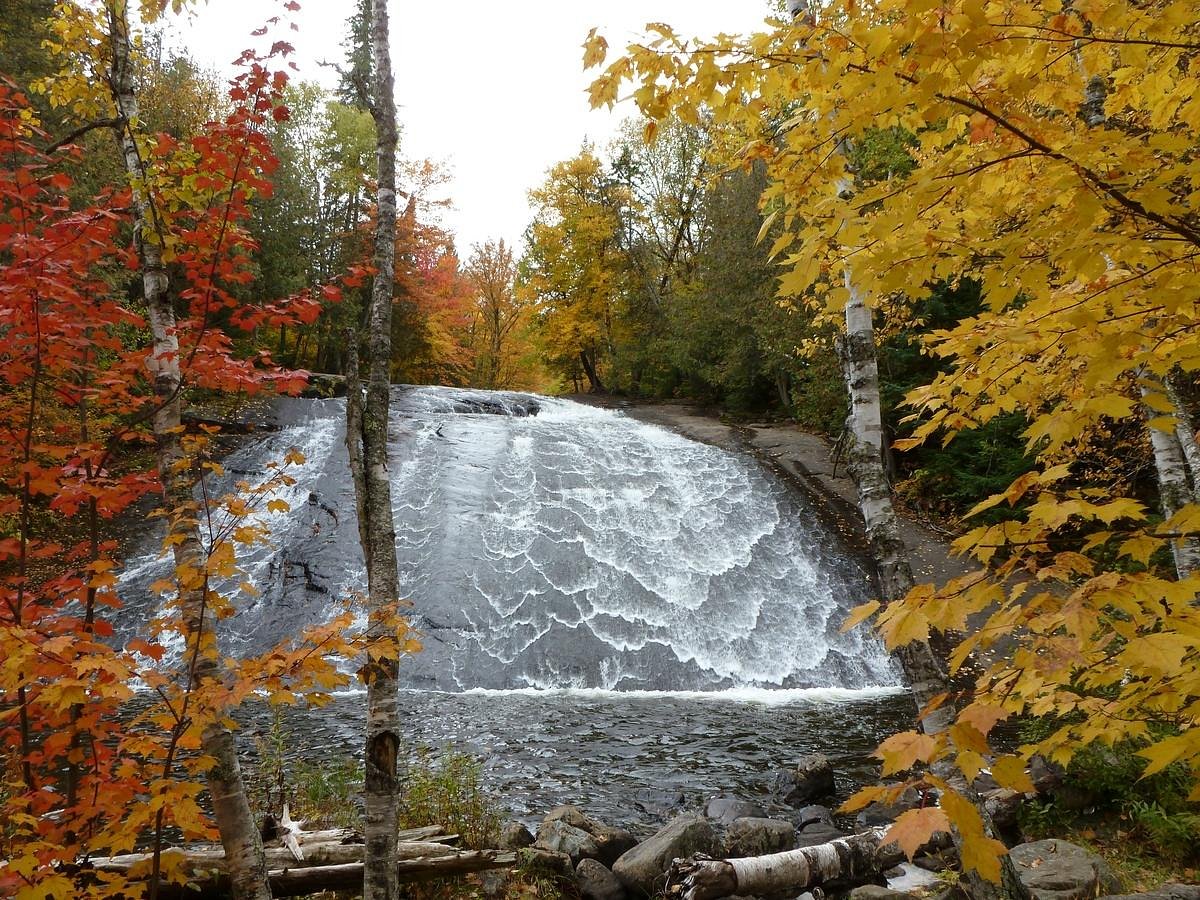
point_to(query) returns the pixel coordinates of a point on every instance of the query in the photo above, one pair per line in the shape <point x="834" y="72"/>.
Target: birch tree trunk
<point x="1174" y="489"/>
<point x="239" y="833"/>
<point x="847" y="861"/>
<point x="922" y="668"/>
<point x="367" y="438"/>
<point x="925" y="673"/>
<point x="1186" y="432"/>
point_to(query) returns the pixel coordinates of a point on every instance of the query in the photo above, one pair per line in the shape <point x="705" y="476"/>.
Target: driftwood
<point x="299" y="880"/>
<point x="325" y="853"/>
<point x="333" y="860"/>
<point x="849" y="861"/>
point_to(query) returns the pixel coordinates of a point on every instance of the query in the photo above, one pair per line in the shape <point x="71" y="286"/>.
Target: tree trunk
<point x="589" y="369"/>
<point x="367" y="438"/>
<point x="239" y="833"/>
<point x="922" y="669"/>
<point x="1174" y="490"/>
<point x="1186" y="432"/>
<point x="847" y="862"/>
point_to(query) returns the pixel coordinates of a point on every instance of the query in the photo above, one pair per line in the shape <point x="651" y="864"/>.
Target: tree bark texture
<point x="925" y="674"/>
<point x="1174" y="489"/>
<point x="1185" y="430"/>
<point x="231" y="809"/>
<point x="923" y="670"/>
<point x="367" y="442"/>
<point x="589" y="369"/>
<point x="847" y="862"/>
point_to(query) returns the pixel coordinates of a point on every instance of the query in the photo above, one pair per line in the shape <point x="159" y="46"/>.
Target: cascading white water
<point x="545" y="543"/>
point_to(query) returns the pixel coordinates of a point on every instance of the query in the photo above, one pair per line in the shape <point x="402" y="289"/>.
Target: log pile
<point x="333" y="861"/>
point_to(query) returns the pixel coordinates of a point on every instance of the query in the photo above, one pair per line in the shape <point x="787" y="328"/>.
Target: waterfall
<point x="548" y="544"/>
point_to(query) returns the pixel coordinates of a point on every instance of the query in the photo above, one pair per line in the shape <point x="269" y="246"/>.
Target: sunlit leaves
<point x="915" y="827"/>
<point x="1079" y="224"/>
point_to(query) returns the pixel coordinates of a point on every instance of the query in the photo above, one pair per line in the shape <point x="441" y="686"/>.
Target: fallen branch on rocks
<point x="323" y="853"/>
<point x="849" y="861"/>
<point x="333" y="860"/>
<point x="298" y="880"/>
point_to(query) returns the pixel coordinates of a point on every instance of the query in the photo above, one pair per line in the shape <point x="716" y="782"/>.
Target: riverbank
<point x="806" y="460"/>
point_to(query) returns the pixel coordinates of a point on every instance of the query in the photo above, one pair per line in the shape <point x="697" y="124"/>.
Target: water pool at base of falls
<point x="606" y="607"/>
<point x="628" y="759"/>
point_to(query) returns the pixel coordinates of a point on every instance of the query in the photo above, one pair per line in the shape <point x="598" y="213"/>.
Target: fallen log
<point x="324" y="853"/>
<point x="299" y="881"/>
<point x="848" y="861"/>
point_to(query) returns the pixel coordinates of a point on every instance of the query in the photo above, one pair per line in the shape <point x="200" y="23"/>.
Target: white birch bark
<point x="1185" y="430"/>
<point x="848" y="861"/>
<point x="1174" y="489"/>
<point x="367" y="438"/>
<point x="239" y="833"/>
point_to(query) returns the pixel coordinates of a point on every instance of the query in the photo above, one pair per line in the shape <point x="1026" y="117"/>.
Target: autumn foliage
<point x="1050" y="157"/>
<point x="85" y="772"/>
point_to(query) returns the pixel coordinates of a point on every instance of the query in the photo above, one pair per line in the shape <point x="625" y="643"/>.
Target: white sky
<point x="496" y="90"/>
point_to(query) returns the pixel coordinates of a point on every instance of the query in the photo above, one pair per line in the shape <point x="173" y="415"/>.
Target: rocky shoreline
<point x="608" y="863"/>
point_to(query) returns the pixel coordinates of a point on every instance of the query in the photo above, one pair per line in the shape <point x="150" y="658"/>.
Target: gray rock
<point x="559" y="837"/>
<point x="937" y="860"/>
<point x="1004" y="806"/>
<point x="493" y="885"/>
<point x="643" y="868"/>
<point x="810" y="815"/>
<point x="724" y="810"/>
<point x="811" y="779"/>
<point x="1163" y="892"/>
<point x="546" y="862"/>
<point x="596" y="882"/>
<point x="514" y="836"/>
<point x="1058" y="870"/>
<point x="758" y="837"/>
<point x="877" y="892"/>
<point x="883" y="814"/>
<point x="610" y="842"/>
<point x="1046" y="775"/>
<point x="816" y="834"/>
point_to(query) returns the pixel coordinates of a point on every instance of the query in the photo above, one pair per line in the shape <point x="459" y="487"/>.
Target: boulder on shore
<point x="596" y="882"/>
<point x="1059" y="870"/>
<point x="885" y="814"/>
<point x="724" y="810"/>
<point x="758" y="836"/>
<point x="814" y="814"/>
<point x="558" y="836"/>
<point x="514" y="836"/>
<point x="818" y="833"/>
<point x="877" y="892"/>
<point x="811" y="779"/>
<point x="609" y="842"/>
<point x="643" y="869"/>
<point x="1163" y="892"/>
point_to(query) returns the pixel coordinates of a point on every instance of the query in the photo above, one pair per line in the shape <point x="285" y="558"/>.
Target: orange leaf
<point x="902" y="751"/>
<point x="915" y="828"/>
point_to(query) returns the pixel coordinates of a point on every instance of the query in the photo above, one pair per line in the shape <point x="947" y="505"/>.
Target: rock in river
<point x="811" y="779"/>
<point x="643" y="869"/>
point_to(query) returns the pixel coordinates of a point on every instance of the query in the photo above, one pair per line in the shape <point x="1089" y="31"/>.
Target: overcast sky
<point x="494" y="90"/>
